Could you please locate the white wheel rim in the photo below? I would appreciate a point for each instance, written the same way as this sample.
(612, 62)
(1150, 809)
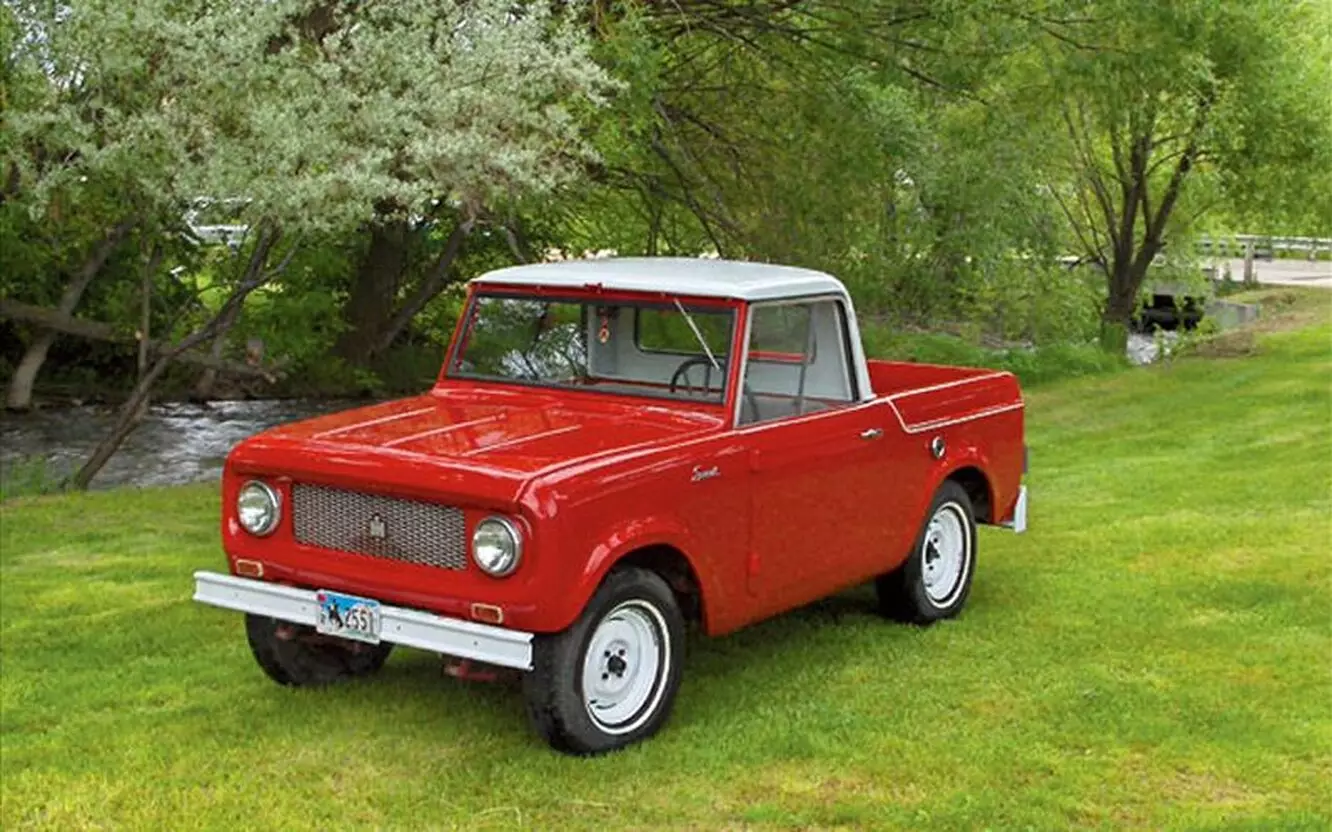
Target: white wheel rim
(625, 667)
(945, 554)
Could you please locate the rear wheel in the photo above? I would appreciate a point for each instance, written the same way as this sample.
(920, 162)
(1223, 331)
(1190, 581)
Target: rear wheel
(934, 581)
(292, 654)
(610, 679)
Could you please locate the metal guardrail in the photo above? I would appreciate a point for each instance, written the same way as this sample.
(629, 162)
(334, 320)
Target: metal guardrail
(1254, 245)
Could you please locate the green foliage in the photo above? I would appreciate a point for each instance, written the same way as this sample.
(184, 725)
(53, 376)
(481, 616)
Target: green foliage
(1160, 113)
(410, 368)
(297, 318)
(813, 140)
(397, 106)
(300, 119)
(938, 157)
(666, 330)
(1033, 365)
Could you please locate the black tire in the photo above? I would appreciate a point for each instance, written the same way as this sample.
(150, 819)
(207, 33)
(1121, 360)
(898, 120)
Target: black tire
(292, 654)
(918, 592)
(630, 601)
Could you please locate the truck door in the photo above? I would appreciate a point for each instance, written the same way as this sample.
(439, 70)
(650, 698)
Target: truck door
(817, 454)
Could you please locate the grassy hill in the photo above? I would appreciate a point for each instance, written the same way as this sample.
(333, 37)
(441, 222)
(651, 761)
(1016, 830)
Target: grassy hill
(1155, 652)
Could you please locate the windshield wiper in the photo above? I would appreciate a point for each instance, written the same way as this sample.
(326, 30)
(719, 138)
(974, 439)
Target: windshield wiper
(694, 328)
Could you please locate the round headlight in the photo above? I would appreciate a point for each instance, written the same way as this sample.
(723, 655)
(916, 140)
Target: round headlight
(258, 508)
(497, 546)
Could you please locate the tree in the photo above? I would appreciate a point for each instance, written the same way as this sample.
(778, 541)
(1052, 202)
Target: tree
(1171, 110)
(468, 105)
(257, 272)
(412, 115)
(851, 137)
(409, 110)
(83, 137)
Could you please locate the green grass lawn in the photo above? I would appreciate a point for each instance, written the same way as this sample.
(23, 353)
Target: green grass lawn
(1156, 652)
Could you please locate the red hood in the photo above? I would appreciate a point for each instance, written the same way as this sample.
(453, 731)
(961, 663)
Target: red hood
(454, 438)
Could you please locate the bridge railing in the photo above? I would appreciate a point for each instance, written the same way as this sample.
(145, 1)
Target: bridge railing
(1252, 246)
(1258, 245)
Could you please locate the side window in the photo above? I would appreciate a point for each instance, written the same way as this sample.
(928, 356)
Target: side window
(797, 363)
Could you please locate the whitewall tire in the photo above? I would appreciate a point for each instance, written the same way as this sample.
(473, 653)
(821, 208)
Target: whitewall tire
(935, 579)
(610, 679)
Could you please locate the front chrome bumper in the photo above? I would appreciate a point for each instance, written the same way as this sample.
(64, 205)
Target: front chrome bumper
(399, 625)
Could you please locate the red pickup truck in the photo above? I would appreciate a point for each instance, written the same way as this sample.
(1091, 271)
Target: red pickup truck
(616, 449)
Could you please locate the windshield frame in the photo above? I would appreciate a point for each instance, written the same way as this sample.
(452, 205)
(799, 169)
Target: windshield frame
(654, 300)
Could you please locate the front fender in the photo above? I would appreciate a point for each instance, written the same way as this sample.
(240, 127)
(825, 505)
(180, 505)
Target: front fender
(627, 536)
(606, 547)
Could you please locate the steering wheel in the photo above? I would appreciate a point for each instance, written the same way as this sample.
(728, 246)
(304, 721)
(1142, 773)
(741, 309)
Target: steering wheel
(682, 374)
(748, 398)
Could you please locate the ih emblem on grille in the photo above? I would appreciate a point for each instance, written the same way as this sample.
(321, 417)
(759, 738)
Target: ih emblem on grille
(377, 528)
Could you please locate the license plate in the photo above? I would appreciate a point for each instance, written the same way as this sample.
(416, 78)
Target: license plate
(347, 616)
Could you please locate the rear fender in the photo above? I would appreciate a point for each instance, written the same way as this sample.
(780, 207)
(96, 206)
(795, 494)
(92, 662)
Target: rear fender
(955, 460)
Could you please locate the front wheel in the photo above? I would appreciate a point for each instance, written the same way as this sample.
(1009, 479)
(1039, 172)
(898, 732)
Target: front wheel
(610, 679)
(934, 581)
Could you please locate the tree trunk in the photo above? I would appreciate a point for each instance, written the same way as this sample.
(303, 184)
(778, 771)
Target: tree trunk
(521, 249)
(146, 309)
(25, 374)
(1121, 304)
(203, 389)
(19, 395)
(431, 285)
(1115, 322)
(374, 291)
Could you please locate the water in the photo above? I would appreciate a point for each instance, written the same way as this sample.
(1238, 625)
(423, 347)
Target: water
(1146, 348)
(175, 444)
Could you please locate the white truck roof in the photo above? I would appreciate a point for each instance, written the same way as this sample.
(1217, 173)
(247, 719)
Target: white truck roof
(674, 275)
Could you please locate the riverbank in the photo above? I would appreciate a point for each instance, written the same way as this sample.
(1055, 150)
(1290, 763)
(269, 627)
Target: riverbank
(1152, 654)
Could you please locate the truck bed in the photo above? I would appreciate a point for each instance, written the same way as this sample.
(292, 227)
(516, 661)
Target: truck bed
(929, 396)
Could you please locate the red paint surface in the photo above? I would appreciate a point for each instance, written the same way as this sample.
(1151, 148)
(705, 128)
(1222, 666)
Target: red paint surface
(800, 507)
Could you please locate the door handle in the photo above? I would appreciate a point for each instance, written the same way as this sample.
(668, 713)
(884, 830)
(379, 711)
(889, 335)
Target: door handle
(871, 433)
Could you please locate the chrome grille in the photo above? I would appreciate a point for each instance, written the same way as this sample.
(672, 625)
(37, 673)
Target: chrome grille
(384, 527)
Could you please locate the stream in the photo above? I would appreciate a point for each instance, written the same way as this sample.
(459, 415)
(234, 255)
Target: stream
(1146, 348)
(177, 443)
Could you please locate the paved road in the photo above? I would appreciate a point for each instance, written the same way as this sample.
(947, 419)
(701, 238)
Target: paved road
(1284, 272)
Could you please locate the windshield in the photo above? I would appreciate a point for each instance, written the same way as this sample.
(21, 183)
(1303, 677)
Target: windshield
(669, 349)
